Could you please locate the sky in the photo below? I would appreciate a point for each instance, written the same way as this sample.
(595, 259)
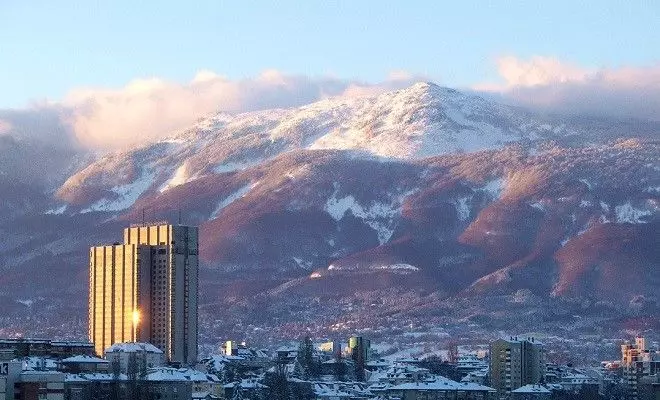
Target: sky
(91, 61)
(49, 47)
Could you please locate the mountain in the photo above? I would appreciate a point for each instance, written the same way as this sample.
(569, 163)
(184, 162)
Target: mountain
(356, 212)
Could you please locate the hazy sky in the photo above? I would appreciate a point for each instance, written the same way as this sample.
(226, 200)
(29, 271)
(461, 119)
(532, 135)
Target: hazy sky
(48, 48)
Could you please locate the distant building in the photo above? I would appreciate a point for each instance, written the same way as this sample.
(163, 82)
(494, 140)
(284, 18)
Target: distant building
(145, 290)
(359, 349)
(141, 355)
(16, 348)
(638, 362)
(516, 362)
(40, 385)
(531, 392)
(10, 372)
(648, 388)
(441, 388)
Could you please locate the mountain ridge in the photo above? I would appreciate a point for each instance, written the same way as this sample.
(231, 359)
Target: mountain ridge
(348, 198)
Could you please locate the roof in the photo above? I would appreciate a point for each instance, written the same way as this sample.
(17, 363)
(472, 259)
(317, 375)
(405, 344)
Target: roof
(133, 348)
(166, 375)
(443, 384)
(82, 359)
(531, 389)
(103, 377)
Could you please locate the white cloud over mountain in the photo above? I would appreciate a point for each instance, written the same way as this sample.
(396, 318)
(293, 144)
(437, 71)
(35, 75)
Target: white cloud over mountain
(151, 108)
(549, 84)
(148, 109)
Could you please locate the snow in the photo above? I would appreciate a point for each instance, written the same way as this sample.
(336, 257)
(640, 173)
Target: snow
(531, 389)
(302, 263)
(56, 211)
(230, 199)
(419, 121)
(495, 187)
(463, 208)
(179, 178)
(538, 205)
(587, 183)
(233, 166)
(126, 195)
(27, 303)
(378, 215)
(133, 347)
(398, 267)
(84, 359)
(628, 213)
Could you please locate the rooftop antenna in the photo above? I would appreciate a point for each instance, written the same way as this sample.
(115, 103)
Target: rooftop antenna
(143, 218)
(179, 215)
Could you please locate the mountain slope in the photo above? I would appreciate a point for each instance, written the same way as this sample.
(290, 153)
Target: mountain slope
(426, 194)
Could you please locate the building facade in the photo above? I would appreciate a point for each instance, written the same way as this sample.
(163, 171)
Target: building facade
(515, 363)
(145, 290)
(638, 362)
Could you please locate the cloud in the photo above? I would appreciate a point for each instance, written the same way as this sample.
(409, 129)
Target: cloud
(40, 123)
(148, 109)
(5, 126)
(551, 85)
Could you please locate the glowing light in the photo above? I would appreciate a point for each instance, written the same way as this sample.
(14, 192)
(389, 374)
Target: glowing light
(136, 317)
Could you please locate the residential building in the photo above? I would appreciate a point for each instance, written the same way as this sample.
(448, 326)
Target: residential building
(516, 362)
(531, 392)
(137, 356)
(10, 372)
(145, 290)
(40, 385)
(359, 349)
(441, 388)
(638, 362)
(25, 347)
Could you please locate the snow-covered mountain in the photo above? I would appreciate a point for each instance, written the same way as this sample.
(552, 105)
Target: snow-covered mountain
(425, 191)
(420, 121)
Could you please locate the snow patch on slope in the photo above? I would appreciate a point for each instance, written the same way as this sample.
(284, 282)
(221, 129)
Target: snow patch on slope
(56, 211)
(230, 199)
(628, 213)
(400, 268)
(179, 178)
(494, 188)
(127, 195)
(377, 215)
(463, 208)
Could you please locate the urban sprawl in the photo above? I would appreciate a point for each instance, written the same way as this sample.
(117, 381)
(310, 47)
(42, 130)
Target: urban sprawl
(143, 344)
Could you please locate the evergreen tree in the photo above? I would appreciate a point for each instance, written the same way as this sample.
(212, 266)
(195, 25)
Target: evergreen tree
(278, 386)
(237, 393)
(309, 365)
(339, 368)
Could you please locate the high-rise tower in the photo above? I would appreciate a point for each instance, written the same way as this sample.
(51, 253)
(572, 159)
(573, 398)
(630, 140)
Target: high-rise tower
(146, 290)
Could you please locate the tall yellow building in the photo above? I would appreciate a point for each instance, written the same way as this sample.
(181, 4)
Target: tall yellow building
(145, 290)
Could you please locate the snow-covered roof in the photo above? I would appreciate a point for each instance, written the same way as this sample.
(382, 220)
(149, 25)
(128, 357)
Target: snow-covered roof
(198, 376)
(165, 374)
(104, 377)
(531, 389)
(133, 348)
(83, 359)
(37, 363)
(443, 384)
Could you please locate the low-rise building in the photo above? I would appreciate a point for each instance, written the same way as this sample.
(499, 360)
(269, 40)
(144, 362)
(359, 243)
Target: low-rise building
(137, 356)
(531, 392)
(441, 389)
(637, 362)
(40, 385)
